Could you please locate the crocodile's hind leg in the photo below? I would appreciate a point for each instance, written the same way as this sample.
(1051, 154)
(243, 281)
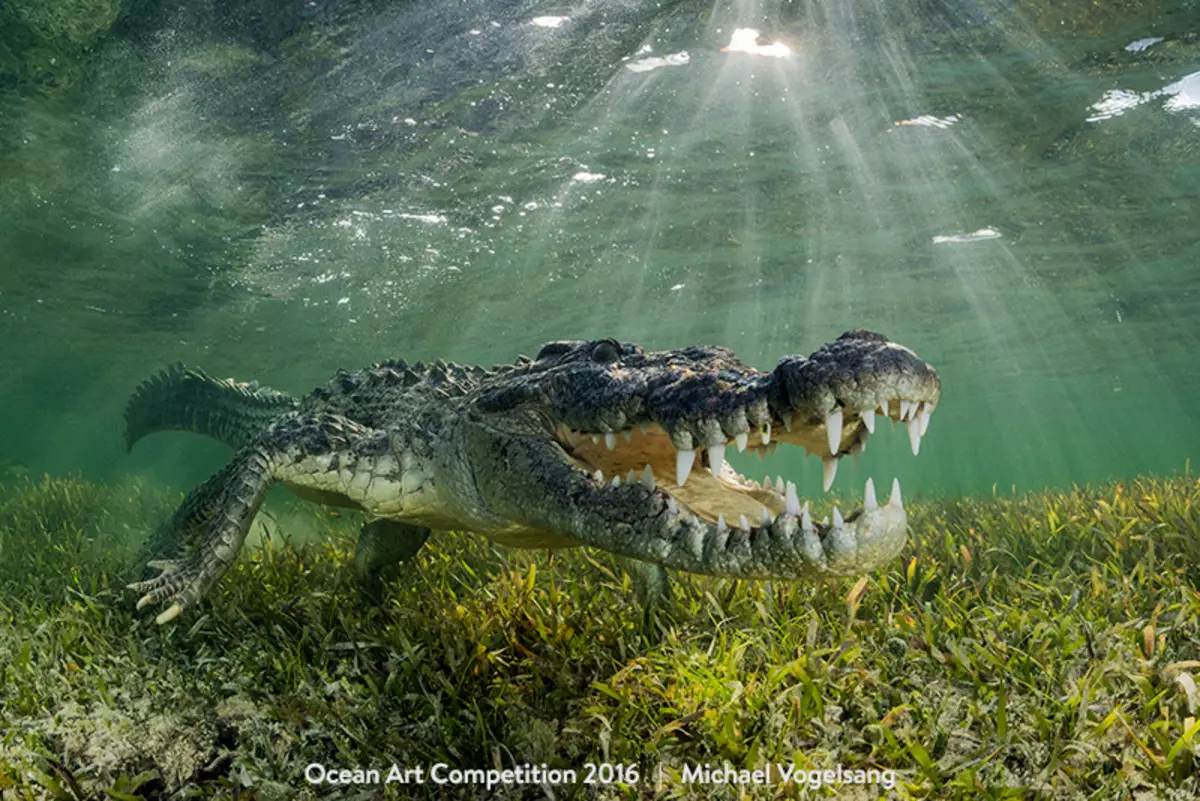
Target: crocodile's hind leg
(213, 520)
(381, 544)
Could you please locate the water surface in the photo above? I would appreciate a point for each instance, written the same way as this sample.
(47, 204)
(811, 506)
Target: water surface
(1013, 196)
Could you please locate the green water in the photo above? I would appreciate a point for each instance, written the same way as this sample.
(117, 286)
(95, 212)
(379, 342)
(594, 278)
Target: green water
(277, 195)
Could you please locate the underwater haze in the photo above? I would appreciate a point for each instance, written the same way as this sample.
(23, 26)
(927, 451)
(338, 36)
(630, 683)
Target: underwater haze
(273, 190)
(1007, 188)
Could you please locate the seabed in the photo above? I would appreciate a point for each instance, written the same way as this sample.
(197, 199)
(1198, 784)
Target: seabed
(1041, 645)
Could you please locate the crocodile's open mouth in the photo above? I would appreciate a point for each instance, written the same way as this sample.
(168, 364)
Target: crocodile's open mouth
(701, 483)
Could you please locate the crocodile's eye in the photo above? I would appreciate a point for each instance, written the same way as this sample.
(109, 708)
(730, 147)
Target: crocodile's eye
(606, 351)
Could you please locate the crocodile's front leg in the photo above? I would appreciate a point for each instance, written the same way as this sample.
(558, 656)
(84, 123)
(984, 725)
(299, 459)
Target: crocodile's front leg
(381, 544)
(314, 450)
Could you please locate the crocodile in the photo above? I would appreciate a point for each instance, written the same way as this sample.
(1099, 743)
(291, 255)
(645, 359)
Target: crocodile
(598, 443)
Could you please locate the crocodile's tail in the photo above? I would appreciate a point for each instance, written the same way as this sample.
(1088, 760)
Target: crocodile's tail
(187, 399)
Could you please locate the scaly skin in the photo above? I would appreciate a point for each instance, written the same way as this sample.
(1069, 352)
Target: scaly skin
(591, 443)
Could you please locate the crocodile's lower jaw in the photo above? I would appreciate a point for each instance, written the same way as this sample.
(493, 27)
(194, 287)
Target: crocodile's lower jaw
(717, 494)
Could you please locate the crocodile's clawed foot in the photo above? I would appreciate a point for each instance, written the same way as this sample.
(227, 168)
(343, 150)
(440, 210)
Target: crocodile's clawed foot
(180, 581)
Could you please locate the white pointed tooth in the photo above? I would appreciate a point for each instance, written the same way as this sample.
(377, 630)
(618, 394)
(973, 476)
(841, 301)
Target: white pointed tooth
(825, 520)
(914, 434)
(610, 440)
(743, 523)
(926, 413)
(683, 466)
(883, 407)
(648, 478)
(779, 484)
(616, 481)
(716, 458)
(868, 418)
(672, 506)
(869, 502)
(767, 481)
(806, 520)
(645, 429)
(765, 433)
(895, 499)
(741, 439)
(786, 417)
(631, 477)
(791, 501)
(838, 520)
(627, 435)
(833, 430)
(595, 439)
(904, 406)
(721, 523)
(766, 517)
(598, 475)
(830, 465)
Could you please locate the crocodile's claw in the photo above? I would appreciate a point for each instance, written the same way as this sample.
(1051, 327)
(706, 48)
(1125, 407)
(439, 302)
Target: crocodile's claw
(180, 581)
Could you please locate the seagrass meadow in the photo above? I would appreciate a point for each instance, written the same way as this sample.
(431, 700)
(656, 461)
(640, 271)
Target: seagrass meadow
(290, 191)
(1037, 645)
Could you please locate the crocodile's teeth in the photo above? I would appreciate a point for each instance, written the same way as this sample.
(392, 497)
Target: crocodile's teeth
(741, 440)
(806, 520)
(645, 429)
(833, 430)
(914, 433)
(767, 482)
(648, 478)
(786, 417)
(595, 439)
(838, 520)
(791, 500)
(627, 434)
(830, 465)
(765, 433)
(895, 499)
(883, 407)
(631, 477)
(926, 413)
(672, 506)
(721, 523)
(683, 466)
(779, 484)
(868, 418)
(743, 523)
(766, 517)
(170, 614)
(716, 458)
(610, 440)
(869, 502)
(904, 406)
(761, 453)
(771, 449)
(616, 481)
(598, 475)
